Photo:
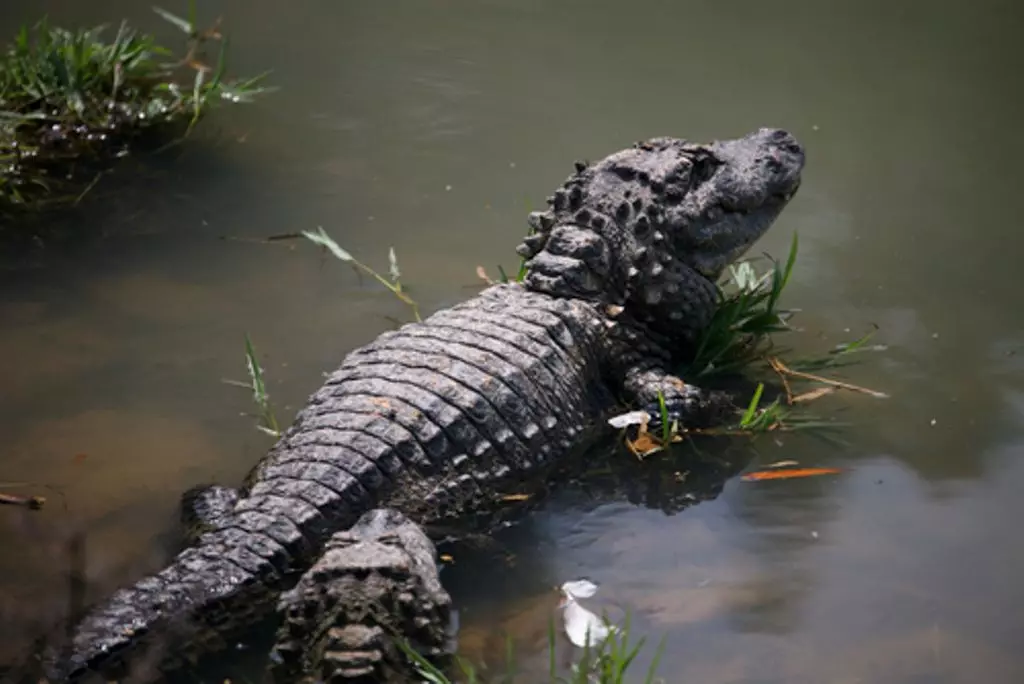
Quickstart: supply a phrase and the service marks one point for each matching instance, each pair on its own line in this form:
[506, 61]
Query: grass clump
[748, 315]
[607, 663]
[740, 342]
[73, 101]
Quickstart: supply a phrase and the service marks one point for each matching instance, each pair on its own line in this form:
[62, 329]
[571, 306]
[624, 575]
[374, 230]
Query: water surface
[434, 127]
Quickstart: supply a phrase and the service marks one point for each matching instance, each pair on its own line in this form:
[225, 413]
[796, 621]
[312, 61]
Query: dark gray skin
[434, 419]
[374, 581]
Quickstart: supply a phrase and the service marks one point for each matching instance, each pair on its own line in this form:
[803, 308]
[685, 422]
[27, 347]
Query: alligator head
[652, 228]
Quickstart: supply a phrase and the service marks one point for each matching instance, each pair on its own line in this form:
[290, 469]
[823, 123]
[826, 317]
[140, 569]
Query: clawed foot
[689, 408]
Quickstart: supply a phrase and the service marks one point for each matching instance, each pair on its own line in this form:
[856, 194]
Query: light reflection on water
[434, 128]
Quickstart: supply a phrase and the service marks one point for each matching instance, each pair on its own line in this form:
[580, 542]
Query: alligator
[435, 418]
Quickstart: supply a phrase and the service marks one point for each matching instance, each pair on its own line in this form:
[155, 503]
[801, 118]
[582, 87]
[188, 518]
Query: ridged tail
[227, 581]
[427, 419]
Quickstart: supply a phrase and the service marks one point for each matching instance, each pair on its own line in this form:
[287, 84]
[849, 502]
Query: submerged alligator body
[433, 419]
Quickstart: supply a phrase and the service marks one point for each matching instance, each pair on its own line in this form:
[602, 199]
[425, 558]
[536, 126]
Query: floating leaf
[787, 474]
[644, 445]
[482, 275]
[631, 418]
[581, 588]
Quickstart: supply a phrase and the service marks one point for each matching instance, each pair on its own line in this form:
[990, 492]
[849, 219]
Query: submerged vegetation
[74, 101]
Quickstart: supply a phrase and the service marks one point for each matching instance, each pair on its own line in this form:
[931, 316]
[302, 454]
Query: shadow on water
[434, 127]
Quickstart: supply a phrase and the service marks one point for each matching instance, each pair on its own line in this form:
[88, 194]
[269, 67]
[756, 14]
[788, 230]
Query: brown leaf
[813, 394]
[482, 275]
[643, 445]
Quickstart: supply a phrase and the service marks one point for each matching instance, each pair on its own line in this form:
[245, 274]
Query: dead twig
[33, 502]
[784, 370]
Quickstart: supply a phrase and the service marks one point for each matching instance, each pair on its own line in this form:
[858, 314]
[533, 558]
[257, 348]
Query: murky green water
[434, 127]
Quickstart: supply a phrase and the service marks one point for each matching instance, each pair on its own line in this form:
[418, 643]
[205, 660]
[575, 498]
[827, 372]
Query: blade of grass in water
[666, 429]
[259, 389]
[752, 407]
[321, 238]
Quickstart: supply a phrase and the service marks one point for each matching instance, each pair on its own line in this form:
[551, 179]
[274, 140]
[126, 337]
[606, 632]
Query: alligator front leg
[645, 387]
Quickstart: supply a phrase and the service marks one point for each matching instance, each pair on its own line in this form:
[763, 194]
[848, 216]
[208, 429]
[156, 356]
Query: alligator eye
[703, 169]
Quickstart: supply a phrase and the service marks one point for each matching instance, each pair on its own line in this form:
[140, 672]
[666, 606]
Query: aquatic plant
[392, 283]
[606, 664]
[748, 314]
[739, 342]
[72, 102]
[266, 419]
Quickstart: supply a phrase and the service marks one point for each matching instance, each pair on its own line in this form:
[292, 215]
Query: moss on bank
[74, 101]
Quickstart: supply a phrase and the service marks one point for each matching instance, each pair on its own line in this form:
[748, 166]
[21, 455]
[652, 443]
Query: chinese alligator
[435, 418]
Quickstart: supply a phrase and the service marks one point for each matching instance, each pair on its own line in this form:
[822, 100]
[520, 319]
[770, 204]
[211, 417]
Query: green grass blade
[186, 26]
[321, 238]
[666, 429]
[748, 415]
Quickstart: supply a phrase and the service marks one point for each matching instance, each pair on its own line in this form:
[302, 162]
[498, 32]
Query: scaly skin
[434, 418]
[377, 579]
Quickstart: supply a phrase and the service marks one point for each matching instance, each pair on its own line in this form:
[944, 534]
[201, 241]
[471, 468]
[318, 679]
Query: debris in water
[482, 275]
[33, 502]
[582, 626]
[812, 394]
[776, 474]
[631, 418]
[784, 370]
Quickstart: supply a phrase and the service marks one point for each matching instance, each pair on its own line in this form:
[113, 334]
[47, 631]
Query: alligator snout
[784, 160]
